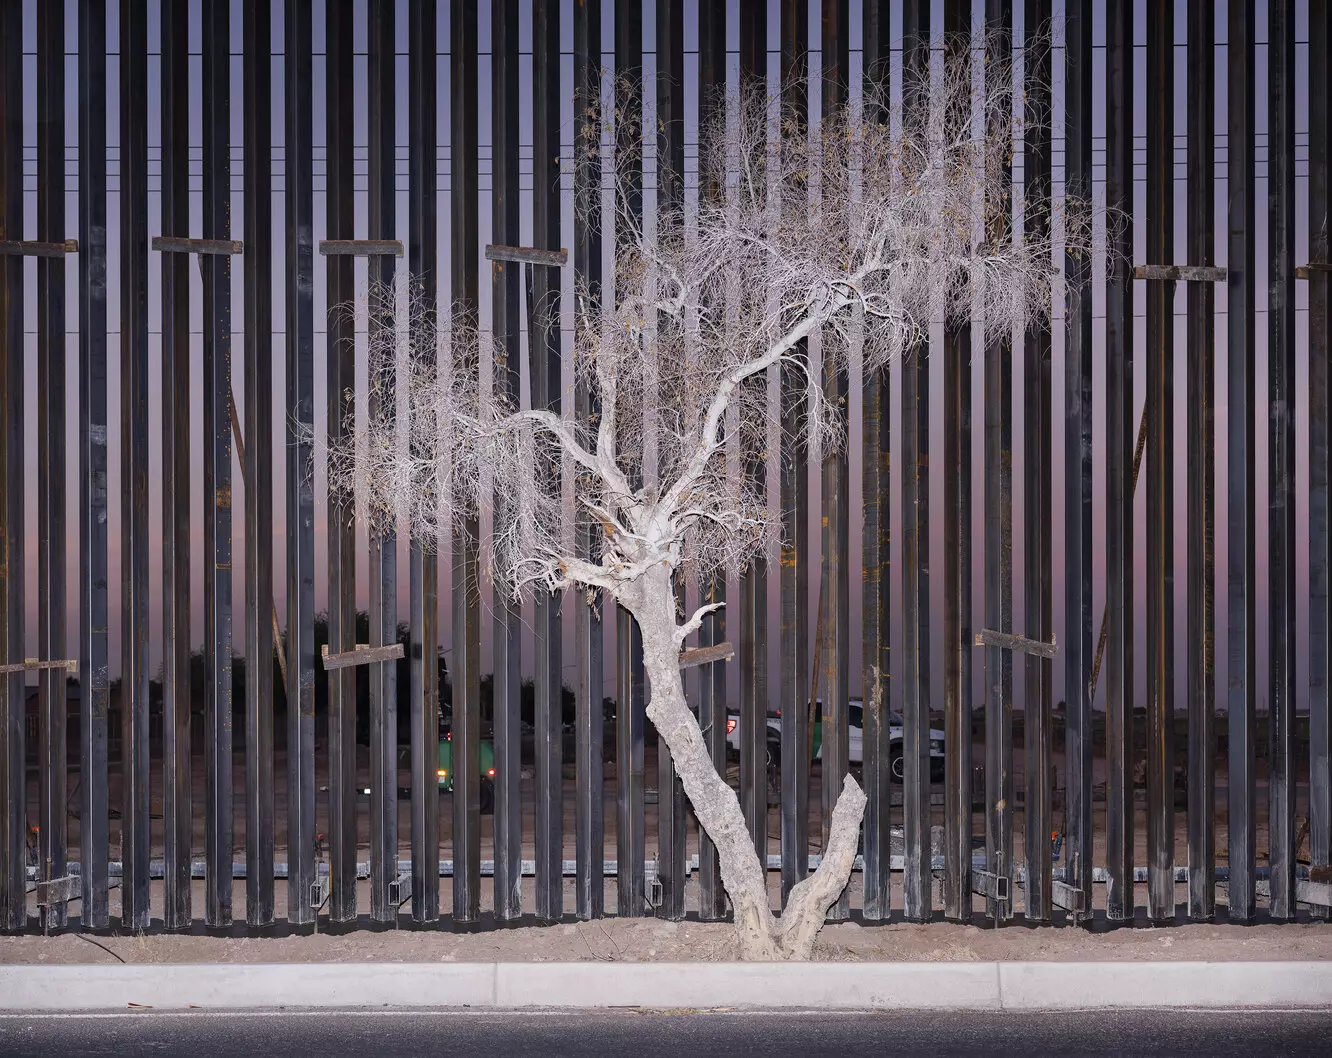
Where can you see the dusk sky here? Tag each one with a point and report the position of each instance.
(152, 103)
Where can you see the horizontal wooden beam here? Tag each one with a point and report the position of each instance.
(1303, 271)
(527, 255)
(691, 659)
(360, 248)
(988, 637)
(29, 664)
(364, 654)
(1184, 273)
(29, 248)
(217, 247)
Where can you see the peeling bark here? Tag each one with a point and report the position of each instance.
(761, 936)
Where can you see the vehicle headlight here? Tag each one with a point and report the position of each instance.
(936, 745)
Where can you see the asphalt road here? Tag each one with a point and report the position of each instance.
(657, 1035)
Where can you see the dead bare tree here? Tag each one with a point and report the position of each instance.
(679, 365)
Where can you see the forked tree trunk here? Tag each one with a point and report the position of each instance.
(761, 935)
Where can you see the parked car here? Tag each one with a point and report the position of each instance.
(856, 726)
(445, 769)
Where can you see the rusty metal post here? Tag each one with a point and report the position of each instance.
(1160, 222)
(1119, 456)
(544, 347)
(1241, 627)
(672, 812)
(915, 550)
(13, 766)
(53, 817)
(258, 463)
(464, 661)
(794, 499)
(135, 533)
(589, 810)
(876, 534)
(999, 557)
(1320, 390)
(1281, 453)
(1037, 544)
(94, 678)
(1078, 730)
(630, 701)
(1201, 484)
(219, 828)
(177, 475)
(712, 711)
(340, 355)
(506, 285)
(300, 492)
(836, 589)
(753, 719)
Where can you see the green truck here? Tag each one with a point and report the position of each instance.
(487, 764)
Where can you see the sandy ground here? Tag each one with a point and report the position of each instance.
(639, 940)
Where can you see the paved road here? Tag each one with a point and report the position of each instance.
(325, 1035)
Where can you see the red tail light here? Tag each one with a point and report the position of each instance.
(730, 725)
(490, 772)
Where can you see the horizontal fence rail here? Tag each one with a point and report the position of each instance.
(357, 730)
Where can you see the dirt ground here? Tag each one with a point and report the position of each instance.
(624, 940)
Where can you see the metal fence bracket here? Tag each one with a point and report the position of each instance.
(364, 654)
(29, 664)
(1068, 897)
(1182, 273)
(990, 884)
(33, 248)
(360, 248)
(988, 637)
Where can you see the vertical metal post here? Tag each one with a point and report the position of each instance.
(93, 660)
(1119, 470)
(543, 346)
(629, 697)
(505, 277)
(1320, 379)
(53, 819)
(1160, 220)
(712, 680)
(1036, 558)
(422, 262)
(219, 828)
(177, 474)
(589, 810)
(794, 498)
(13, 766)
(999, 547)
(671, 809)
(875, 470)
(465, 658)
(835, 651)
(258, 136)
(1281, 453)
(340, 202)
(1078, 730)
(383, 540)
(917, 853)
(1201, 485)
(753, 720)
(958, 646)
(297, 74)
(1240, 471)
(135, 534)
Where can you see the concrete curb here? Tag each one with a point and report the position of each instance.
(810, 986)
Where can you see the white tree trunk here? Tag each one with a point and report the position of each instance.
(761, 936)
